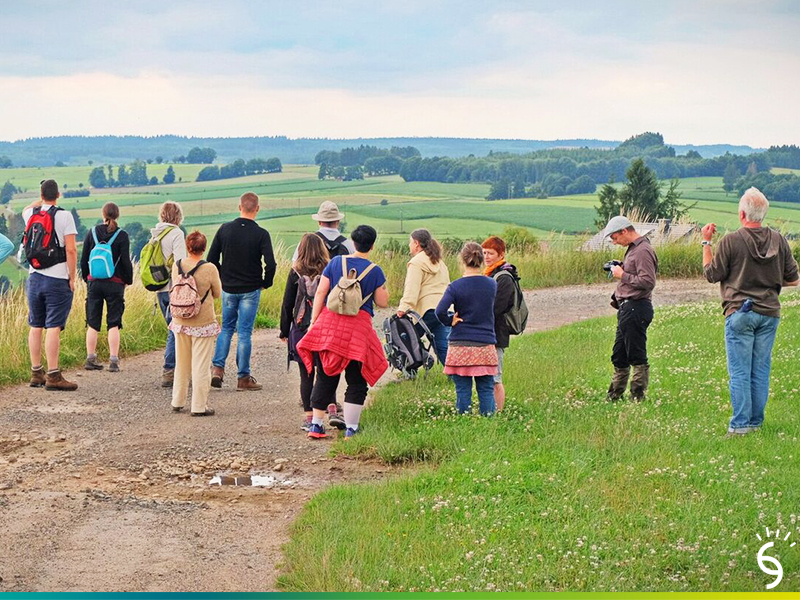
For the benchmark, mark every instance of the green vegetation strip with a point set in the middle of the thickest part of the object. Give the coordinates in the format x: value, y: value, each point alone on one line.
x: 564, y: 491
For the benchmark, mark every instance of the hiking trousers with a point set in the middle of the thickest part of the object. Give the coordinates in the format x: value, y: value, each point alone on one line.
x: 192, y: 360
x: 630, y: 345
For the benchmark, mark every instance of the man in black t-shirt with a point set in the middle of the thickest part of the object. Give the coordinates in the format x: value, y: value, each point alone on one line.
x: 242, y: 252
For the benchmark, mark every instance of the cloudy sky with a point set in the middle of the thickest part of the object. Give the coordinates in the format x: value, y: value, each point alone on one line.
x: 697, y: 71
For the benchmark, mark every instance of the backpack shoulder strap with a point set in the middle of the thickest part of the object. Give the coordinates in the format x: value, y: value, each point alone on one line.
x: 180, y: 268
x: 113, y: 237
x: 94, y: 236
x: 344, y: 266
x: 197, y: 266
x: 365, y: 271
x: 163, y: 234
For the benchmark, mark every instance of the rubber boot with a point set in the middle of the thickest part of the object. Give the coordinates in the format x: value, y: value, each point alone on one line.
x: 619, y: 381
x: 639, y: 381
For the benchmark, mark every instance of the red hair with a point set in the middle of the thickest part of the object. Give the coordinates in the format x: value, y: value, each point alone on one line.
x: 495, y: 243
x: 196, y: 243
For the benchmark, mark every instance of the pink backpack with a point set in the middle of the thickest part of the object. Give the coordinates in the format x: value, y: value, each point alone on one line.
x: 184, y: 301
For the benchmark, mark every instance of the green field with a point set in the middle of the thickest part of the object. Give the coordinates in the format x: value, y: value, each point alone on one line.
x: 563, y: 490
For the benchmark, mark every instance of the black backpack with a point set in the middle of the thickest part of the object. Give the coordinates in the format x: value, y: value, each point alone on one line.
x: 40, y: 241
x: 407, y: 350
x: 304, y: 301
x: 335, y: 247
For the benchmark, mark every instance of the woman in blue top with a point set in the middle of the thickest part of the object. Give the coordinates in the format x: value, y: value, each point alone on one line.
x: 472, y: 352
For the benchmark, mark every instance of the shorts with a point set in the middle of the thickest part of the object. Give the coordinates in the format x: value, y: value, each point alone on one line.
x: 113, y: 294
x: 49, y: 301
x: 498, y: 378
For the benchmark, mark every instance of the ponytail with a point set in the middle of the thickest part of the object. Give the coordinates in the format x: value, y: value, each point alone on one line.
x: 110, y: 216
x: 428, y: 245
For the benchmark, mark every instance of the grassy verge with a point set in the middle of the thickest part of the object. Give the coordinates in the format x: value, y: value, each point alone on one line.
x: 564, y: 491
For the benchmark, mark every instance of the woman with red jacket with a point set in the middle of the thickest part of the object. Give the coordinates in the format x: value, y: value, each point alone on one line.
x: 338, y: 343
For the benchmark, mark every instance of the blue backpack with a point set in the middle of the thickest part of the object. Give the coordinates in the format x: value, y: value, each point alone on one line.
x: 101, y: 260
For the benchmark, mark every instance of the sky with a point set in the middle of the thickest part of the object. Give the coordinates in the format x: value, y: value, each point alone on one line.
x: 699, y: 72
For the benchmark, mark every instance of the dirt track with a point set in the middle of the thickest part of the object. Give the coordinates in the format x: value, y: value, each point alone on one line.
x: 106, y: 489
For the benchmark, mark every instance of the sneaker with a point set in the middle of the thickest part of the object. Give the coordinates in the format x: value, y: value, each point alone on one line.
x: 306, y: 424
x: 113, y: 367
x: 206, y: 413
x: 91, y: 364
x: 54, y: 381
x: 217, y: 374
x: 351, y: 432
x: 248, y: 383
x: 317, y: 431
x: 167, y: 378
x: 335, y: 417
x: 37, y: 377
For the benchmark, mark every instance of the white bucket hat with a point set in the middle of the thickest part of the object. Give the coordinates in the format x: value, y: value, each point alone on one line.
x: 328, y: 212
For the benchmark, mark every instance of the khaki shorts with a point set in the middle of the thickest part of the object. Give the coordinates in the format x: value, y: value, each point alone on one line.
x: 500, y: 355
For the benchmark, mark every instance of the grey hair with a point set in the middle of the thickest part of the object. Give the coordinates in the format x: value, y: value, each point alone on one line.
x: 754, y: 204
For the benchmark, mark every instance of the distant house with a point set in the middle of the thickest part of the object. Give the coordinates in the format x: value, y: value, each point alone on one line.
x: 658, y: 233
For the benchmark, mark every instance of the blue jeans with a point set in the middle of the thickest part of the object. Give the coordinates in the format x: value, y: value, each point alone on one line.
x: 441, y: 334
x: 749, y: 337
x: 485, y: 387
x: 239, y: 315
x: 169, y: 351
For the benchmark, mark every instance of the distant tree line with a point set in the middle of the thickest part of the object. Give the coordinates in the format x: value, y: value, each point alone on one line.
x: 353, y: 163
x: 5, y: 162
x: 780, y: 188
x: 133, y: 174
x: 79, y: 193
x: 240, y: 168
x: 197, y: 156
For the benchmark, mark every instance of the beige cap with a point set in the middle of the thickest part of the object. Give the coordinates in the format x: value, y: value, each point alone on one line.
x: 328, y: 212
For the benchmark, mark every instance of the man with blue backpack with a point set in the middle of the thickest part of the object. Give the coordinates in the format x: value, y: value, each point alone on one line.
x: 106, y: 267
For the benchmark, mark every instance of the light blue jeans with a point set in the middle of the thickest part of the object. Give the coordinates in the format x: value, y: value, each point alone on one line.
x: 749, y: 338
x: 484, y: 385
x: 239, y: 315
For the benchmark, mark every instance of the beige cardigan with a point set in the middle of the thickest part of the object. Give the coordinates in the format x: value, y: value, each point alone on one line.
x: 207, y: 277
x: 425, y: 284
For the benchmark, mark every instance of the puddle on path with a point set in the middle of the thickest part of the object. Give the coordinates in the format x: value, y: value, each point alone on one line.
x: 265, y: 481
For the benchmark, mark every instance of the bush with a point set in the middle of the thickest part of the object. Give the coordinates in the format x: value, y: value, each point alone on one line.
x: 520, y: 240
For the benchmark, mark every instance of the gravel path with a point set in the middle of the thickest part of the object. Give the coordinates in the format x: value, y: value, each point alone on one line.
x: 106, y: 489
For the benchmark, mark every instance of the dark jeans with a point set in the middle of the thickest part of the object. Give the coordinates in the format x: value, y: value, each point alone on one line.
x: 630, y: 345
x: 169, y: 351
x: 306, y: 385
x: 324, y: 391
x: 440, y: 331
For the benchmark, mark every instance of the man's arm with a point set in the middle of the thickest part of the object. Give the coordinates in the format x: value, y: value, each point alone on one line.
x: 644, y: 278
x: 269, y: 261
x: 215, y: 250
x: 72, y: 259
x: 715, y: 266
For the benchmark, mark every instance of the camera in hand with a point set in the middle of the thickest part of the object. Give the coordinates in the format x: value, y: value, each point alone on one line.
x: 612, y: 263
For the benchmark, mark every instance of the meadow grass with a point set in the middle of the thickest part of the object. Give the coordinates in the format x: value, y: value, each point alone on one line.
x: 563, y: 490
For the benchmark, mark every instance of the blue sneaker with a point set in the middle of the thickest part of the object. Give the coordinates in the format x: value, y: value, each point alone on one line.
x: 350, y: 432
x: 317, y: 431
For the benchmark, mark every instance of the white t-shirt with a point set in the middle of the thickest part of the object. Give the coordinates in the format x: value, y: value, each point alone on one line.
x: 64, y: 226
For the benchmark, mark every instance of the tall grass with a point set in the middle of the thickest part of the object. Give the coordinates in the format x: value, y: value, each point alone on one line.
x: 563, y: 490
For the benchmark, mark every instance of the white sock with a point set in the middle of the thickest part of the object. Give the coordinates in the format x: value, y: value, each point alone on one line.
x: 316, y: 420
x: 352, y: 415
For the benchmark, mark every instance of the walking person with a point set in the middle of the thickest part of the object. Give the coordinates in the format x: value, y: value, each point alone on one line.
x: 298, y: 303
x: 341, y: 338
x: 106, y: 268
x: 194, y: 336
x: 242, y: 251
x: 328, y: 218
x: 633, y: 301
x: 751, y: 265
x: 427, y: 278
x: 506, y: 276
x: 50, y: 249
x: 166, y: 246
x: 471, y: 354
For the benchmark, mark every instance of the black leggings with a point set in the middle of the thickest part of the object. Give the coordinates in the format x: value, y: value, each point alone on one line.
x: 306, y: 385
x: 324, y: 392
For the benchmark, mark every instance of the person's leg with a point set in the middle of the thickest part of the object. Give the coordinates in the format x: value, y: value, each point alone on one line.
x: 619, y: 358
x: 230, y: 314
x: 306, y: 386
x: 764, y: 339
x: 169, y: 350
x: 35, y: 346
x: 441, y: 334
x: 499, y: 388
x: 113, y: 343
x: 463, y: 393
x: 324, y: 393
x: 52, y: 347
x: 248, y: 308
x: 354, y: 395
x: 183, y: 369
x: 485, y: 387
x: 58, y: 302
x: 636, y: 343
x: 115, y: 303
x: 37, y: 316
x: 91, y: 342
x: 739, y: 339
x: 202, y: 351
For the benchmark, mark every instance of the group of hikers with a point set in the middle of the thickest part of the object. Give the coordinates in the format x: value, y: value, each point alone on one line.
x: 333, y: 287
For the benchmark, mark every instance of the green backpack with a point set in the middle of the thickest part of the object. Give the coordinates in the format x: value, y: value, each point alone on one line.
x: 155, y: 270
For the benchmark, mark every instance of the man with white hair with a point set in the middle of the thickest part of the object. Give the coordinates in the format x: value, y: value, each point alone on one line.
x: 751, y: 265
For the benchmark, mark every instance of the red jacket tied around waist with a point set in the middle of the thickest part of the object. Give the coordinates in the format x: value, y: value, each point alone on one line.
x: 339, y: 339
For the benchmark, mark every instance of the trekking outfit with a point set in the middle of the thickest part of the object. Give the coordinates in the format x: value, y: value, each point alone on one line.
x: 238, y: 249
x: 171, y: 247
x: 424, y: 287
x: 106, y: 290
x: 344, y: 340
x: 194, y: 336
x: 633, y: 301
x: 750, y: 265
x: 508, y: 292
x: 471, y: 353
x: 48, y: 291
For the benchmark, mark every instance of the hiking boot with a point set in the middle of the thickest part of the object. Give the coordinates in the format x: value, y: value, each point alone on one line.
x: 91, y: 364
x: 619, y: 381
x: 639, y: 381
x: 37, y: 377
x: 217, y: 374
x: 167, y: 378
x: 247, y: 383
x: 113, y: 366
x: 55, y: 381
x: 317, y: 431
x: 206, y: 413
